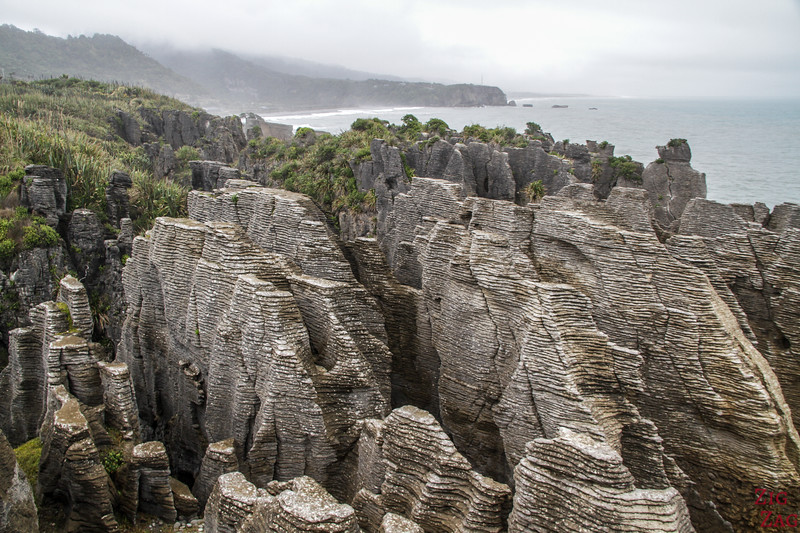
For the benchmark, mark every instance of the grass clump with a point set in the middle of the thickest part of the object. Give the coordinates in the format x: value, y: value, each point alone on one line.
x: 19, y: 230
x: 28, y: 456
x: 534, y: 191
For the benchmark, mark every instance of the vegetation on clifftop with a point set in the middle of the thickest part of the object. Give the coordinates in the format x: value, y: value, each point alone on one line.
x: 70, y: 124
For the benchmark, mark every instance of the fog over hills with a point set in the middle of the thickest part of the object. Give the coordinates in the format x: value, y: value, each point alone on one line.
x: 220, y: 79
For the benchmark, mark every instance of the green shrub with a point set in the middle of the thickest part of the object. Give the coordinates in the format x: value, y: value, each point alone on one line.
x: 437, y: 126
x: 476, y: 131
x: 9, y: 181
x: 625, y: 167
x: 112, y: 461
x: 411, y: 127
x: 532, y: 128
x: 674, y: 143
x: 39, y: 235
x: 28, y: 456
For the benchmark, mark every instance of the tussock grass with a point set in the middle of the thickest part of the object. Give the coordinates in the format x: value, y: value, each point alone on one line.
x: 72, y: 125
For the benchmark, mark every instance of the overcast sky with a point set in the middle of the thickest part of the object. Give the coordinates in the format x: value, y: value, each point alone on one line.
x: 675, y: 48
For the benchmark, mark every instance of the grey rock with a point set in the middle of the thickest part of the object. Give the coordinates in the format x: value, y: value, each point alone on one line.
x: 755, y: 271
x: 165, y: 163
x: 186, y: 505
x: 151, y: 463
x: 44, y: 191
x: 85, y: 236
x: 220, y: 458
x: 41, y: 357
x: 574, y: 244
x: 119, y: 399
x: 393, y: 523
x: 215, y: 294
x: 35, y: 274
x: 426, y: 480
x: 299, y: 505
x: 210, y: 175
x: 17, y: 508
x: 231, y: 503
x: 70, y: 471
x: 283, y: 132
x: 574, y: 479
x: 673, y: 183
x: 784, y: 216
x: 128, y: 128
x: 118, y: 203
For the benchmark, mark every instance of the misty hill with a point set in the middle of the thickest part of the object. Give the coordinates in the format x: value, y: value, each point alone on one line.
x: 34, y: 55
x: 312, y: 69
x: 258, y: 81
x: 220, y: 79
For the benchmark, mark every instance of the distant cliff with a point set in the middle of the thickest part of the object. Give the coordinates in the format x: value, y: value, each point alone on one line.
x: 231, y: 78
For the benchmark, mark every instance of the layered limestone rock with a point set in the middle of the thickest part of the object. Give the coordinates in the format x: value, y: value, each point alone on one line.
x: 210, y: 175
x: 756, y: 271
x: 672, y: 182
x: 70, y: 470
x: 577, y: 484
x: 186, y: 505
x: 17, y: 508
x: 231, y: 503
x: 119, y: 400
x: 220, y: 458
x: 572, y: 315
x: 43, y: 356
x: 725, y: 433
x: 297, y: 505
x: 408, y: 466
x: 254, y: 328
x: 117, y: 200
x: 151, y: 466
x: 44, y: 191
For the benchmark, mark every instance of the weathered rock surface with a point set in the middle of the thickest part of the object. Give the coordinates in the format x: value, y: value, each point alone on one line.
x: 186, y: 505
x: 151, y: 465
x: 70, y: 469
x: 690, y: 344
x: 757, y: 272
x: 588, y: 282
x: 119, y: 400
x: 205, y: 302
x: 17, y: 508
x: 35, y: 274
x: 297, y: 505
x: 574, y: 483
x: 408, y: 466
x: 284, y: 132
x: 41, y: 357
x: 672, y: 182
x: 210, y: 175
x: 44, y: 191
x: 220, y: 458
x: 117, y: 200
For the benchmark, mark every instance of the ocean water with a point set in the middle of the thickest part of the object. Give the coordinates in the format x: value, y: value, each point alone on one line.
x: 749, y: 150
